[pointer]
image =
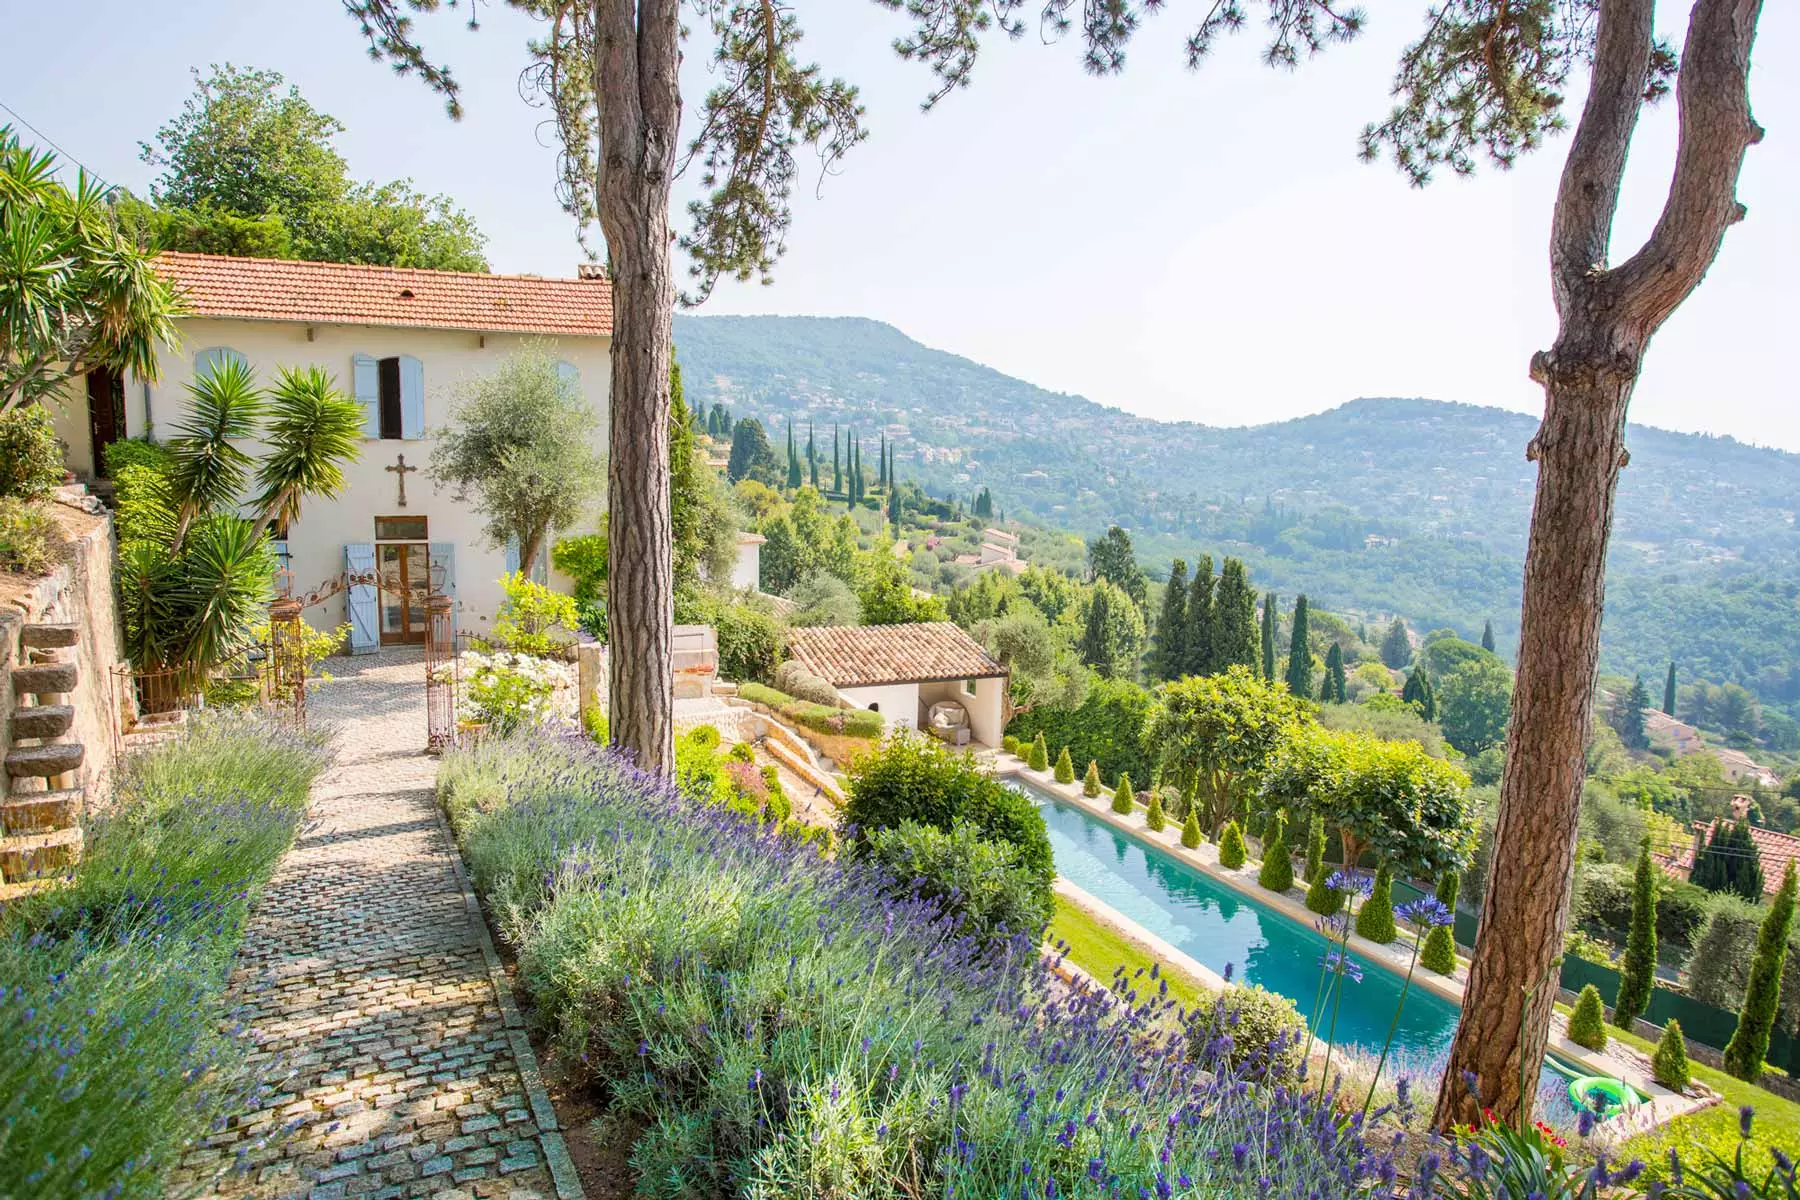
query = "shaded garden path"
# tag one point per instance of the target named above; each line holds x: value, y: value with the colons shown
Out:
x: 368, y: 981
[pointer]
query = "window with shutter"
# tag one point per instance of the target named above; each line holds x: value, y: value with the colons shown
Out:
x: 388, y: 375
x: 208, y: 360
x: 365, y: 375
x: 412, y: 397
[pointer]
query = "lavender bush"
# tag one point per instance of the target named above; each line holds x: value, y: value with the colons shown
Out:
x: 779, y: 1026
x: 114, y: 1053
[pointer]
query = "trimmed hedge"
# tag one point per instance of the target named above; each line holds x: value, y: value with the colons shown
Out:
x: 1232, y: 851
x: 849, y: 722
x: 1669, y: 1065
x: 1108, y: 728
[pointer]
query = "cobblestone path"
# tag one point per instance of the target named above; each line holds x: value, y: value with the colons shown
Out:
x: 368, y: 979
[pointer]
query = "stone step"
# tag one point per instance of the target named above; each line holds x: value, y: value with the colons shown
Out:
x: 42, y: 721
x: 49, y: 637
x: 36, y: 855
x: 45, y: 679
x: 40, y: 812
x: 41, y: 762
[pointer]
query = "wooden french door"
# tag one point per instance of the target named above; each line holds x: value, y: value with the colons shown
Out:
x: 404, y: 571
x: 106, y: 412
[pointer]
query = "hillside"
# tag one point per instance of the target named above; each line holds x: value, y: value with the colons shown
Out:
x: 1379, y: 505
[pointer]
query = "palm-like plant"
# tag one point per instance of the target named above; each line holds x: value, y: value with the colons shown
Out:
x: 226, y: 407
x: 74, y: 294
x: 313, y: 430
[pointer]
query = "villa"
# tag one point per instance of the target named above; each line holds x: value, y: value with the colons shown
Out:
x: 398, y: 341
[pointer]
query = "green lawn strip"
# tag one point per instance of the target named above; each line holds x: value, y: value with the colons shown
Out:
x: 1099, y: 949
x: 1716, y: 1127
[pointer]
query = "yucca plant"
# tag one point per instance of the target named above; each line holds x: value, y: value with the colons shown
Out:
x: 313, y: 430
x: 225, y: 407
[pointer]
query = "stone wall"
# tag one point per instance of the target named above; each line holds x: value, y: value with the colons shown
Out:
x: 79, y: 593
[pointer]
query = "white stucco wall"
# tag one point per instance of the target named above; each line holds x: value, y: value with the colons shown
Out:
x: 746, y: 571
x: 316, y: 541
x: 899, y: 702
x: 986, y: 707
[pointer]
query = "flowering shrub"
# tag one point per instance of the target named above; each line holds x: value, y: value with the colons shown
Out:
x: 114, y: 1060
x: 506, y: 692
x: 779, y: 1025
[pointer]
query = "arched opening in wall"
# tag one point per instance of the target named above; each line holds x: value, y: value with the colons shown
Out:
x: 875, y: 706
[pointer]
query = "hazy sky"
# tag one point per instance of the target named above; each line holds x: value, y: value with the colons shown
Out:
x: 1184, y: 246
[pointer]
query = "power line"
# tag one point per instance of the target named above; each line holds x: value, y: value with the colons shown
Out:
x: 44, y: 137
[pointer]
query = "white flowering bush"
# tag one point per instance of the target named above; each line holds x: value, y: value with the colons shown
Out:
x: 506, y: 692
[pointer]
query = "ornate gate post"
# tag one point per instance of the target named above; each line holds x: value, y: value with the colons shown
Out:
x: 286, y: 671
x: 440, y: 674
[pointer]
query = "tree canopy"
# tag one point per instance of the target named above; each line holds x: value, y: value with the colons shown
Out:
x: 1222, y: 728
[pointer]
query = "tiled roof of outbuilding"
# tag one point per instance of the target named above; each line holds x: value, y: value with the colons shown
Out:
x: 869, y: 655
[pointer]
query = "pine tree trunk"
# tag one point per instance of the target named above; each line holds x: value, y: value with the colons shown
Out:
x: 640, y: 113
x: 1607, y: 316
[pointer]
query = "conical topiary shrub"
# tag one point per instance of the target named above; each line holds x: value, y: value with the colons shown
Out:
x: 1232, y: 852
x: 1039, y: 758
x: 1155, y: 818
x: 1315, y: 849
x: 1277, y: 872
x: 1124, y: 798
x: 1190, y: 830
x: 1587, y: 1024
x: 1065, y: 769
x: 1669, y: 1065
x: 1439, y: 952
x: 1090, y: 783
x: 1375, y: 919
x: 1320, y: 897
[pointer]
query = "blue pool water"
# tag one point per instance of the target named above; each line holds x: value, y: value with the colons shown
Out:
x: 1219, y: 926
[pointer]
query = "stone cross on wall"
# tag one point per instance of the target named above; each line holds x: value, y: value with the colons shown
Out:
x: 401, y: 471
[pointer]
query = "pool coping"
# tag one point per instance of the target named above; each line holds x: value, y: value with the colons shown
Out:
x: 1243, y: 880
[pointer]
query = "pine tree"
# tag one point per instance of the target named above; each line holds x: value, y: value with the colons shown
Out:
x: 1315, y: 849
x: 1197, y: 651
x: 1587, y: 1024
x: 1268, y: 638
x: 1124, y: 798
x: 1155, y: 818
x: 1669, y: 1065
x: 1487, y: 637
x: 1039, y: 758
x: 1065, y: 767
x: 1396, y: 647
x: 1277, y: 872
x: 1756, y: 1020
x: 1638, y: 973
x: 1191, y: 836
x: 1171, y: 625
x: 1375, y: 919
x: 1232, y: 851
x: 1669, y: 691
x: 1234, y: 618
x: 1090, y: 783
x: 1334, y: 688
x: 1299, y: 672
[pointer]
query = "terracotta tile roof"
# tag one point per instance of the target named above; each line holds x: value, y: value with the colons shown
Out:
x: 274, y: 289
x: 867, y: 655
x: 1775, y: 849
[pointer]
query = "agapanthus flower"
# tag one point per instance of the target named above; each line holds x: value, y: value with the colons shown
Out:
x: 1339, y: 963
x: 1425, y: 911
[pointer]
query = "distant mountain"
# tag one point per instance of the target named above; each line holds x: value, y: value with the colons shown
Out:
x: 1379, y: 505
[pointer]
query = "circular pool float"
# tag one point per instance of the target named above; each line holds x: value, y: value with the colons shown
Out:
x: 1603, y: 1095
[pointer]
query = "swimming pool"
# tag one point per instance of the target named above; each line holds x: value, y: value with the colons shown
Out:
x: 1219, y: 926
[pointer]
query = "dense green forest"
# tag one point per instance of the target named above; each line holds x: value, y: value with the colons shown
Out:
x: 1378, y: 506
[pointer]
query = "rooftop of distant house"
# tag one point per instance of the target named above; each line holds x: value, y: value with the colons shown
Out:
x: 1774, y: 849
x: 316, y: 293
x: 871, y: 655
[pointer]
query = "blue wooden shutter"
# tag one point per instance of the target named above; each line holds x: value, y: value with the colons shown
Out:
x: 207, y: 360
x: 512, y: 555
x: 412, y: 397
x: 365, y: 631
x: 443, y: 572
x: 569, y: 373
x: 365, y: 377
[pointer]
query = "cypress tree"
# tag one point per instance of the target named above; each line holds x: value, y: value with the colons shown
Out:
x: 1299, y: 672
x: 1418, y: 693
x: 1396, y: 647
x: 1171, y: 625
x: 1334, y: 687
x: 894, y: 510
x: 1487, y: 637
x: 1090, y: 783
x: 1639, y: 969
x: 1628, y: 715
x: 1197, y: 652
x: 1039, y: 757
x: 1439, y: 951
x: 1669, y: 691
x: 1587, y: 1024
x: 1065, y: 768
x: 1190, y: 830
x: 1375, y: 919
x: 1124, y: 798
x: 1315, y: 848
x: 1277, y: 872
x: 1234, y: 618
x: 1268, y: 638
x: 812, y: 457
x: 794, y: 476
x: 1232, y: 851
x: 1669, y: 1065
x: 1449, y: 885
x: 837, y: 471
x: 1756, y: 1020
x: 1320, y: 897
